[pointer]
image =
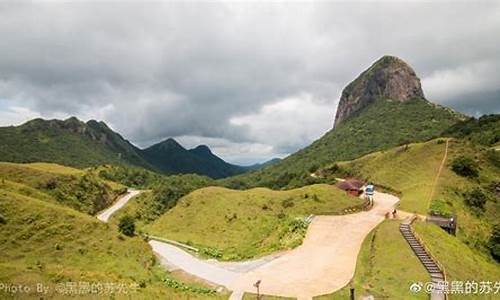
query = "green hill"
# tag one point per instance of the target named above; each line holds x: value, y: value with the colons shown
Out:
x: 234, y: 225
x: 412, y: 172
x: 42, y: 242
x: 53, y: 183
x: 382, y: 125
x: 171, y: 158
x: 70, y: 142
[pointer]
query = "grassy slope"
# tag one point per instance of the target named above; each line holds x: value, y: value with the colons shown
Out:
x: 412, y: 173
x: 409, y: 171
x: 245, y: 224
x: 459, y: 261
x: 59, y: 184
x: 47, y: 243
x: 385, y: 268
x: 382, y: 125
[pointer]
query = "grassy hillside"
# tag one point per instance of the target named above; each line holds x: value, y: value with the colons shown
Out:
x: 382, y: 125
x: 46, y: 243
x: 409, y: 170
x: 412, y: 171
x: 74, y: 188
x: 233, y: 225
x: 70, y: 142
x: 162, y: 196
x: 459, y: 261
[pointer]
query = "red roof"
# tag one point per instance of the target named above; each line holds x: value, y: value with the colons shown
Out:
x: 350, y: 184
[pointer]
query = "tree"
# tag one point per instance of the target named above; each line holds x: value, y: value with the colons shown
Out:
x: 494, y: 242
x: 465, y: 166
x: 476, y: 199
x: 127, y: 225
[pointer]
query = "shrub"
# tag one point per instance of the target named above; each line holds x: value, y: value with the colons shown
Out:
x: 494, y: 242
x: 465, y: 166
x: 3, y: 220
x: 287, y: 203
x: 127, y: 225
x: 476, y: 199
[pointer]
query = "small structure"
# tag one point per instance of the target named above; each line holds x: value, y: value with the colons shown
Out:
x: 352, y: 186
x: 449, y: 224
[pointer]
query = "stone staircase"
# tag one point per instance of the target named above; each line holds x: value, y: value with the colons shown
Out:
x: 436, y: 272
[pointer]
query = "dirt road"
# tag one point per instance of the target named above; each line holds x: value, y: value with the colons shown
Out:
x: 324, y: 263
x: 106, y: 214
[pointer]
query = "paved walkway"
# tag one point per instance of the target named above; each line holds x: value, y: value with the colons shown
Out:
x: 106, y: 214
x: 324, y: 263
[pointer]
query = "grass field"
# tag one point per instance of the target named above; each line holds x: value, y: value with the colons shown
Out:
x: 54, y: 183
x: 43, y: 242
x: 234, y: 225
x: 411, y: 171
x: 386, y: 267
x: 460, y: 262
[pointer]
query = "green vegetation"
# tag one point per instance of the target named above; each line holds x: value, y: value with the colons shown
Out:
x: 171, y: 158
x: 494, y: 242
x: 70, y: 142
x: 128, y: 176
x: 484, y: 131
x: 127, y: 225
x: 386, y: 267
x: 382, y: 125
x: 464, y: 166
x: 234, y: 225
x: 47, y: 243
x: 460, y: 262
x: 410, y: 171
x: 78, y: 189
x: 163, y: 196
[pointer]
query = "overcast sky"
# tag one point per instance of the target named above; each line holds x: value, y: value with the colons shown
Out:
x: 252, y: 81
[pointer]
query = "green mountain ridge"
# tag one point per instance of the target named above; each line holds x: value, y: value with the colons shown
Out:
x: 170, y: 157
x: 75, y: 143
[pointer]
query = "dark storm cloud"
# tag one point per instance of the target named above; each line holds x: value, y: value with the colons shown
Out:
x: 242, y: 74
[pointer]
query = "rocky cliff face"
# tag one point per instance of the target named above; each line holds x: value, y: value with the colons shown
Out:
x: 388, y: 78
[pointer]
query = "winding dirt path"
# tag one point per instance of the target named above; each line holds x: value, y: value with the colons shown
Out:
x: 324, y: 263
x: 106, y: 214
x: 438, y: 174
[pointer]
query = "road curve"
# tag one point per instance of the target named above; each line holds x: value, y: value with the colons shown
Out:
x: 106, y: 214
x: 324, y: 263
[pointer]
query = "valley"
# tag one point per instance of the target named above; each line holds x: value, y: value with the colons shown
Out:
x: 80, y: 203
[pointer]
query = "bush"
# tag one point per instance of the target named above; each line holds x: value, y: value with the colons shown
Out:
x: 465, y: 166
x: 494, y: 242
x: 127, y: 225
x: 476, y: 199
x: 3, y: 220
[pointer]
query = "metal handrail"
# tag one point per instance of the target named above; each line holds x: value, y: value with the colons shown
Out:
x: 426, y: 248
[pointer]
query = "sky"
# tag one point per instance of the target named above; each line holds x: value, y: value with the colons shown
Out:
x: 252, y: 81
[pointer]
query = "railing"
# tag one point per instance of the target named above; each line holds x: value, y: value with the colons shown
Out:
x: 175, y: 243
x: 426, y: 248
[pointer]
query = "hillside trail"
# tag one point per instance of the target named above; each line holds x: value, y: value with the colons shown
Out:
x: 324, y: 263
x: 438, y: 174
x: 106, y: 214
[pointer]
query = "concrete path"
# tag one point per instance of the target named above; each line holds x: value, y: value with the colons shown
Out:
x: 106, y: 214
x: 324, y: 263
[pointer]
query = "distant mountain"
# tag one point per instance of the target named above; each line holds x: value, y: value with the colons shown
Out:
x: 262, y: 165
x: 80, y: 144
x: 170, y: 157
x: 382, y: 108
x: 70, y: 142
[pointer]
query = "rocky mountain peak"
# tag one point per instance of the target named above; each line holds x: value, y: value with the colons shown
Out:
x: 388, y: 78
